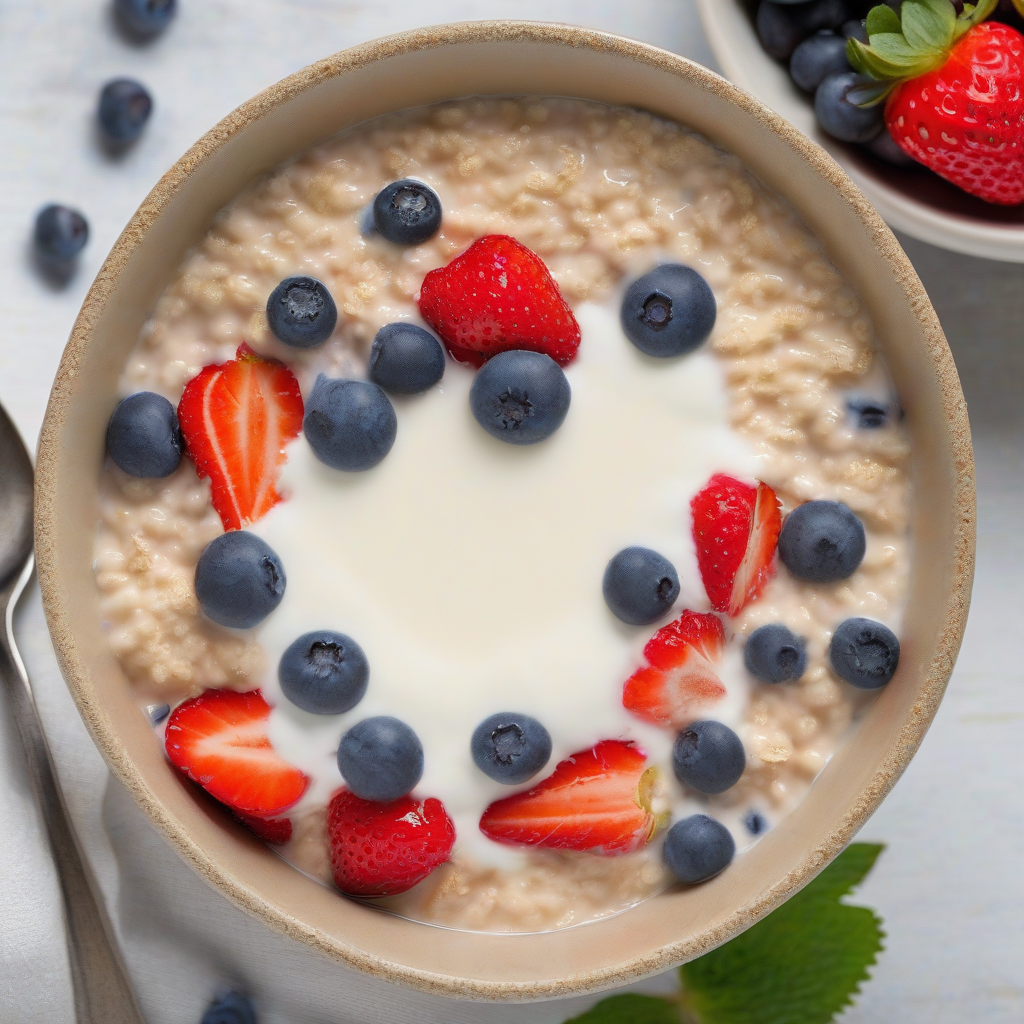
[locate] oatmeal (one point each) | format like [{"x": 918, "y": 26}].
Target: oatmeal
[{"x": 469, "y": 571}]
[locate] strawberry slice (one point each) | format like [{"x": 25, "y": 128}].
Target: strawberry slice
[
  {"x": 498, "y": 295},
  {"x": 736, "y": 529},
  {"x": 681, "y": 675},
  {"x": 384, "y": 849},
  {"x": 597, "y": 800},
  {"x": 219, "y": 739},
  {"x": 236, "y": 418},
  {"x": 271, "y": 830}
]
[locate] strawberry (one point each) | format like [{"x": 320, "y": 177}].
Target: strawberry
[
  {"x": 955, "y": 91},
  {"x": 236, "y": 418},
  {"x": 271, "y": 830},
  {"x": 598, "y": 800},
  {"x": 219, "y": 739},
  {"x": 382, "y": 849},
  {"x": 736, "y": 529},
  {"x": 681, "y": 675},
  {"x": 495, "y": 296}
]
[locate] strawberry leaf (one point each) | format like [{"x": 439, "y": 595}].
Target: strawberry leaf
[
  {"x": 800, "y": 965},
  {"x": 630, "y": 1008}
]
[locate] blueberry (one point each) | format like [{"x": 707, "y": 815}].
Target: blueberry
[
  {"x": 669, "y": 311},
  {"x": 145, "y": 17},
  {"x": 783, "y": 25},
  {"x": 239, "y": 579},
  {"x": 864, "y": 653},
  {"x": 143, "y": 436},
  {"x": 157, "y": 712},
  {"x": 380, "y": 759},
  {"x": 886, "y": 148},
  {"x": 855, "y": 28},
  {"x": 755, "y": 823},
  {"x": 60, "y": 234},
  {"x": 708, "y": 757},
  {"x": 775, "y": 654},
  {"x": 510, "y": 748},
  {"x": 520, "y": 397},
  {"x": 816, "y": 58},
  {"x": 697, "y": 848},
  {"x": 822, "y": 541},
  {"x": 124, "y": 109},
  {"x": 301, "y": 312},
  {"x": 406, "y": 359},
  {"x": 819, "y": 14},
  {"x": 350, "y": 424},
  {"x": 230, "y": 1008},
  {"x": 640, "y": 585},
  {"x": 779, "y": 32},
  {"x": 868, "y": 413},
  {"x": 839, "y": 117},
  {"x": 324, "y": 673},
  {"x": 407, "y": 212}
]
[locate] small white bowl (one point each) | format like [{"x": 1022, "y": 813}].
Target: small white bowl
[{"x": 912, "y": 200}]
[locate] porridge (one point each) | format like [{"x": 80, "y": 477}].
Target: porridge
[{"x": 506, "y": 686}]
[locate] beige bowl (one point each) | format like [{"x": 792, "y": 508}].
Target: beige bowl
[
  {"x": 408, "y": 70},
  {"x": 910, "y": 199}
]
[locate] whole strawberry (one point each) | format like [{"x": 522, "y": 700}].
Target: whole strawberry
[
  {"x": 498, "y": 295},
  {"x": 954, "y": 91},
  {"x": 382, "y": 849}
]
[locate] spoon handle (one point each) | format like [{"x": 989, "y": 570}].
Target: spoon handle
[{"x": 103, "y": 993}]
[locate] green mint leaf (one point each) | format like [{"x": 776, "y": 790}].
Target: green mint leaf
[
  {"x": 928, "y": 24},
  {"x": 630, "y": 1008},
  {"x": 800, "y": 965},
  {"x": 882, "y": 19}
]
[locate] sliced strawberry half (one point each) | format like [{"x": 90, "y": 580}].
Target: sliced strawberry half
[
  {"x": 236, "y": 418},
  {"x": 219, "y": 739},
  {"x": 498, "y": 295},
  {"x": 681, "y": 676},
  {"x": 598, "y": 800},
  {"x": 271, "y": 830},
  {"x": 736, "y": 530},
  {"x": 384, "y": 849}
]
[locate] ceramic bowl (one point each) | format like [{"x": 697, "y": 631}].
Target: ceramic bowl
[
  {"x": 409, "y": 70},
  {"x": 910, "y": 199}
]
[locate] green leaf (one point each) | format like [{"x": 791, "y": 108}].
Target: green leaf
[
  {"x": 630, "y": 1008},
  {"x": 800, "y": 965}
]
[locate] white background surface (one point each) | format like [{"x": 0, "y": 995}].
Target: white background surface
[{"x": 950, "y": 886}]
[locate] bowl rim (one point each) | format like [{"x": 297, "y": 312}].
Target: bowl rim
[
  {"x": 77, "y": 675},
  {"x": 923, "y": 221}
]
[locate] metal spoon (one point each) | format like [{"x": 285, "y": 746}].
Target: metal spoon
[{"x": 103, "y": 993}]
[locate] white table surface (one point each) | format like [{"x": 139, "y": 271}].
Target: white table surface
[{"x": 950, "y": 886}]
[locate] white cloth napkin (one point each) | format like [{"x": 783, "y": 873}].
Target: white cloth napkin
[{"x": 181, "y": 939}]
